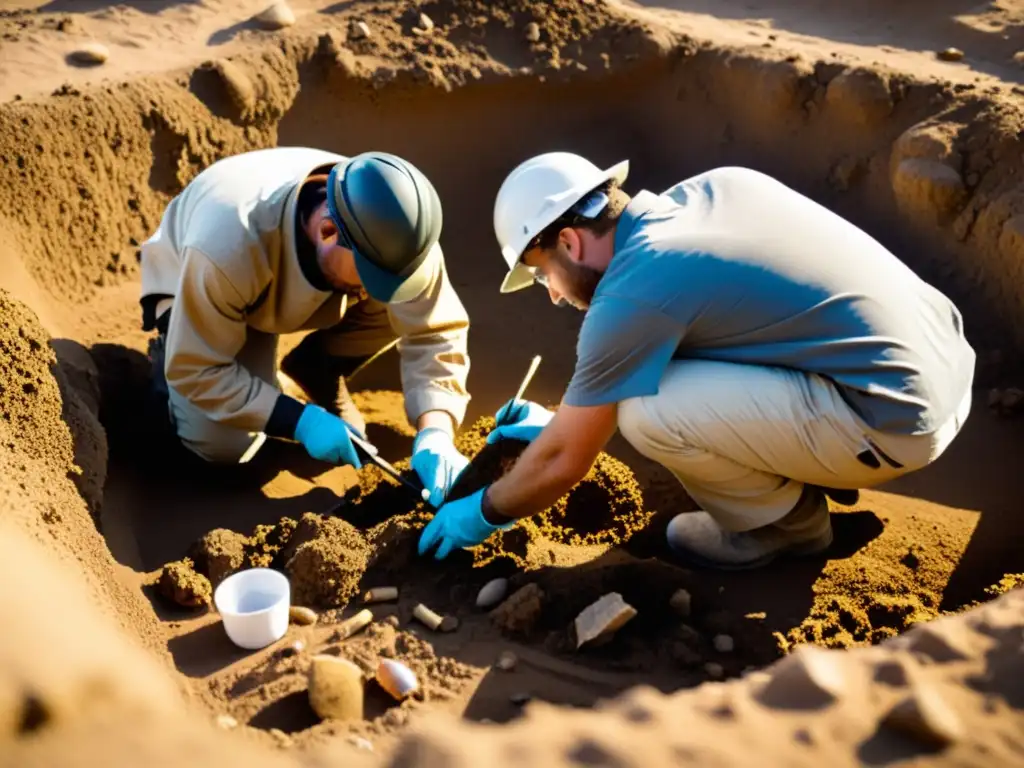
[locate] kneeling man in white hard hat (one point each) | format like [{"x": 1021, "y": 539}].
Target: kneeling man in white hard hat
[{"x": 766, "y": 351}]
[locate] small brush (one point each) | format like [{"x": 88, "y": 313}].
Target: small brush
[{"x": 534, "y": 364}]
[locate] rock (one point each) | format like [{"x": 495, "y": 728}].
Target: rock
[
  {"x": 396, "y": 678},
  {"x": 507, "y": 661},
  {"x": 276, "y": 16},
  {"x": 91, "y": 53},
  {"x": 723, "y": 643},
  {"x": 358, "y": 30},
  {"x": 299, "y": 614},
  {"x": 492, "y": 593},
  {"x": 714, "y": 670},
  {"x": 809, "y": 678},
  {"x": 227, "y": 722},
  {"x": 292, "y": 649},
  {"x": 335, "y": 688},
  {"x": 426, "y": 23},
  {"x": 360, "y": 743},
  {"x": 520, "y": 611},
  {"x": 950, "y": 54},
  {"x": 926, "y": 717},
  {"x": 180, "y": 584},
  {"x": 532, "y": 32},
  {"x": 930, "y": 188},
  {"x": 859, "y": 96},
  {"x": 602, "y": 617},
  {"x": 681, "y": 602}
]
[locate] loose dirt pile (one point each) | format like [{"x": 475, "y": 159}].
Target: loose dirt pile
[{"x": 466, "y": 90}]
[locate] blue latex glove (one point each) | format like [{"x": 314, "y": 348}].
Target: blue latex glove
[
  {"x": 437, "y": 462},
  {"x": 525, "y": 421},
  {"x": 458, "y": 524},
  {"x": 325, "y": 436}
]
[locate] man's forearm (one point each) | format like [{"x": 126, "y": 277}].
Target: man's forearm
[
  {"x": 544, "y": 473},
  {"x": 441, "y": 419}
]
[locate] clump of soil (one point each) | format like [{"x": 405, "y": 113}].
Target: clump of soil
[
  {"x": 327, "y": 569},
  {"x": 180, "y": 584}
]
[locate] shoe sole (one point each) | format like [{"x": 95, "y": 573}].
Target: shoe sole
[{"x": 798, "y": 551}]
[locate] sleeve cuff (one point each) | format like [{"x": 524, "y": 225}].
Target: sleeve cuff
[
  {"x": 284, "y": 418},
  {"x": 420, "y": 401}
]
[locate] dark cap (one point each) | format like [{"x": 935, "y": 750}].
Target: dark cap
[{"x": 389, "y": 215}]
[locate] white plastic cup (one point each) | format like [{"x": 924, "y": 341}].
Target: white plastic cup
[{"x": 253, "y": 605}]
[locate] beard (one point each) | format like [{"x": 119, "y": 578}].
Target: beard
[{"x": 580, "y": 282}]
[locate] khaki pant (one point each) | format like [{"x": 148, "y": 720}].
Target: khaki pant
[
  {"x": 364, "y": 331},
  {"x": 743, "y": 440}
]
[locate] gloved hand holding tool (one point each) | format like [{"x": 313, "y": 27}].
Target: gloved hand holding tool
[
  {"x": 461, "y": 523},
  {"x": 437, "y": 462},
  {"x": 327, "y": 437}
]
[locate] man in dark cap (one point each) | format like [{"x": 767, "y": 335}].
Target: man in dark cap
[{"x": 293, "y": 239}]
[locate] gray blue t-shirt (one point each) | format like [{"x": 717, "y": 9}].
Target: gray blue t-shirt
[{"x": 734, "y": 266}]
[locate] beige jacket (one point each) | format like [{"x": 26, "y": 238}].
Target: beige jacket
[{"x": 225, "y": 251}]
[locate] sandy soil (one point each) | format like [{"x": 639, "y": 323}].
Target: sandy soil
[{"x": 849, "y": 104}]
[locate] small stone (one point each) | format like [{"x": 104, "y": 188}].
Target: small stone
[
  {"x": 360, "y": 743},
  {"x": 391, "y": 621},
  {"x": 507, "y": 661},
  {"x": 723, "y": 643},
  {"x": 714, "y": 670},
  {"x": 520, "y": 610},
  {"x": 808, "y": 678},
  {"x": 680, "y": 602},
  {"x": 426, "y": 23},
  {"x": 358, "y": 30},
  {"x": 492, "y": 593},
  {"x": 396, "y": 678},
  {"x": 602, "y": 617},
  {"x": 335, "y": 688},
  {"x": 91, "y": 53},
  {"x": 276, "y": 16},
  {"x": 1011, "y": 399},
  {"x": 299, "y": 614},
  {"x": 227, "y": 722},
  {"x": 950, "y": 54},
  {"x": 449, "y": 624},
  {"x": 520, "y": 699},
  {"x": 532, "y": 32},
  {"x": 925, "y": 716}
]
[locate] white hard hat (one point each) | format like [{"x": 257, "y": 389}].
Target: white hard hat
[{"x": 534, "y": 195}]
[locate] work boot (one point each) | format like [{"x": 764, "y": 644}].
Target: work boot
[
  {"x": 321, "y": 379},
  {"x": 806, "y": 530}
]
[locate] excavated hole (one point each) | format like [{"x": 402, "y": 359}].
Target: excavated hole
[{"x": 670, "y": 124}]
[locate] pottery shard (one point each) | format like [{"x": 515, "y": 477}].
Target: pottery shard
[
  {"x": 603, "y": 617},
  {"x": 276, "y": 16},
  {"x": 335, "y": 688},
  {"x": 926, "y": 717},
  {"x": 927, "y": 186},
  {"x": 809, "y": 678},
  {"x": 91, "y": 53},
  {"x": 520, "y": 611}
]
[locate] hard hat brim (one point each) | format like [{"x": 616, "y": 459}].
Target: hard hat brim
[
  {"x": 394, "y": 289},
  {"x": 519, "y": 276}
]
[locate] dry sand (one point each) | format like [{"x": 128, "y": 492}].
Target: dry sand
[{"x": 100, "y": 663}]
